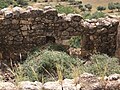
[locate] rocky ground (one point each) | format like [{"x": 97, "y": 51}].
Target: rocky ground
[{"x": 85, "y": 81}]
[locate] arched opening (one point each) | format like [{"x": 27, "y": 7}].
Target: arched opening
[{"x": 50, "y": 39}]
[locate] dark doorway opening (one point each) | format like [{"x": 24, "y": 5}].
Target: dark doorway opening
[{"x": 50, "y": 39}]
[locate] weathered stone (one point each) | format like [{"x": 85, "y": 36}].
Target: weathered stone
[
  {"x": 7, "y": 86},
  {"x": 25, "y": 28},
  {"x": 113, "y": 85},
  {"x": 36, "y": 13},
  {"x": 48, "y": 7},
  {"x": 14, "y": 21},
  {"x": 73, "y": 17},
  {"x": 114, "y": 77},
  {"x": 27, "y": 85},
  {"x": 7, "y": 22},
  {"x": 67, "y": 84},
  {"x": 8, "y": 14},
  {"x": 17, "y": 9}
]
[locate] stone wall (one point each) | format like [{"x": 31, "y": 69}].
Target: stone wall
[{"x": 20, "y": 31}]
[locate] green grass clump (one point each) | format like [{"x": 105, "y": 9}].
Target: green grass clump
[
  {"x": 95, "y": 15},
  {"x": 65, "y": 9},
  {"x": 103, "y": 65}
]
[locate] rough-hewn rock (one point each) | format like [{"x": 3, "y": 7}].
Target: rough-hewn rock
[
  {"x": 21, "y": 30},
  {"x": 67, "y": 84},
  {"x": 27, "y": 85},
  {"x": 7, "y": 86},
  {"x": 85, "y": 81}
]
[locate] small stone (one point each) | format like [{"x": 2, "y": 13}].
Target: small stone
[
  {"x": 7, "y": 86},
  {"x": 27, "y": 85},
  {"x": 47, "y": 7},
  {"x": 8, "y": 14},
  {"x": 114, "y": 77},
  {"x": 87, "y": 75},
  {"x": 24, "y": 27}
]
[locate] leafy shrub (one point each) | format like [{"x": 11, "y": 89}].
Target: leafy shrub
[
  {"x": 70, "y": 1},
  {"x": 65, "y": 9},
  {"x": 111, "y": 6},
  {"x": 117, "y": 5},
  {"x": 34, "y": 0},
  {"x": 75, "y": 41},
  {"x": 44, "y": 64},
  {"x": 101, "y": 8},
  {"x": 88, "y": 6},
  {"x": 80, "y": 6}
]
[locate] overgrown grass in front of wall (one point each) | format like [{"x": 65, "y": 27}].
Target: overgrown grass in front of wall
[
  {"x": 44, "y": 64},
  {"x": 103, "y": 65},
  {"x": 41, "y": 66}
]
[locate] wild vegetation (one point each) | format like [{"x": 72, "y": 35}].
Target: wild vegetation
[{"x": 45, "y": 66}]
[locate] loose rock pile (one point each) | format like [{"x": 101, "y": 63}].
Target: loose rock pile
[
  {"x": 21, "y": 30},
  {"x": 85, "y": 81}
]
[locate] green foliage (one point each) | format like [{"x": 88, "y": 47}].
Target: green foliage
[
  {"x": 86, "y": 15},
  {"x": 44, "y": 63},
  {"x": 103, "y": 65},
  {"x": 53, "y": 65},
  {"x": 101, "y": 8},
  {"x": 117, "y": 5},
  {"x": 22, "y": 2},
  {"x": 75, "y": 41},
  {"x": 88, "y": 6},
  {"x": 57, "y": 47},
  {"x": 65, "y": 9},
  {"x": 96, "y": 15},
  {"x": 111, "y": 6},
  {"x": 6, "y": 3}
]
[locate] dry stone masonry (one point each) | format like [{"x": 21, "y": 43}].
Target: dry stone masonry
[
  {"x": 21, "y": 30},
  {"x": 85, "y": 81}
]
